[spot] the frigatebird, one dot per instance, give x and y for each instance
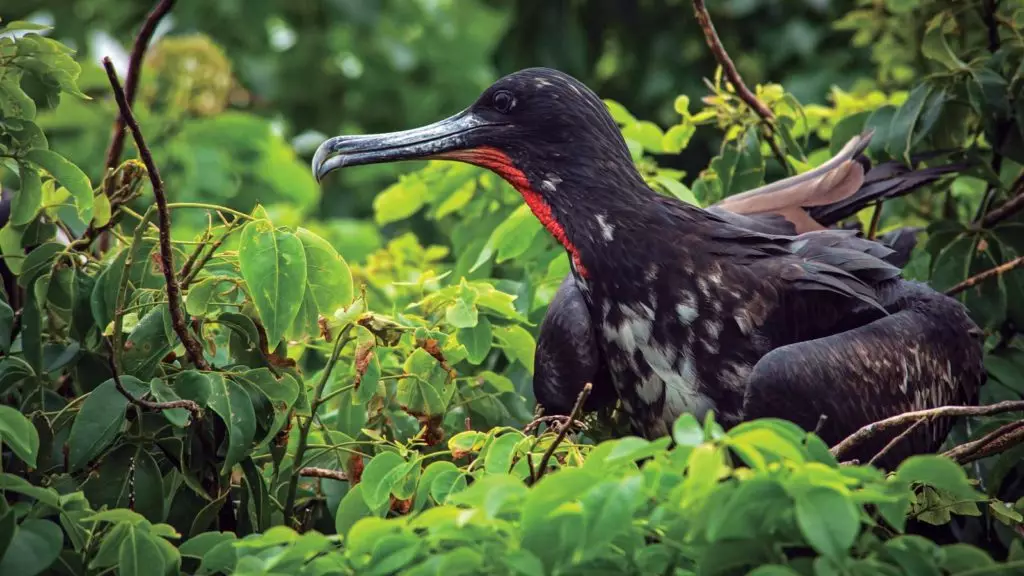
(752, 309)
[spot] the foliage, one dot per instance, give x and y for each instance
(364, 412)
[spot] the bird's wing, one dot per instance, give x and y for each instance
(925, 354)
(567, 355)
(837, 189)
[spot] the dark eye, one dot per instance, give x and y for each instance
(503, 101)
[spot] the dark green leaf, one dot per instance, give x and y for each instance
(34, 547)
(69, 176)
(29, 199)
(139, 554)
(99, 420)
(18, 433)
(379, 477)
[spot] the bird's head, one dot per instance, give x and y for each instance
(541, 130)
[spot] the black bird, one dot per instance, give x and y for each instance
(684, 309)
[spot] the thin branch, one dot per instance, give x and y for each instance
(1012, 206)
(131, 80)
(704, 19)
(186, 269)
(870, 430)
(193, 349)
(876, 216)
(563, 431)
(895, 441)
(549, 420)
(982, 276)
(314, 406)
(311, 472)
(189, 405)
(995, 442)
(188, 278)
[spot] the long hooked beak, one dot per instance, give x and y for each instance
(430, 141)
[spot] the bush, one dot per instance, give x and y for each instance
(236, 396)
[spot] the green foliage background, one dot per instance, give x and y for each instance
(383, 328)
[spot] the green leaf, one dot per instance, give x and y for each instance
(201, 295)
(934, 45)
(35, 546)
(99, 420)
(828, 520)
(477, 340)
(461, 314)
(7, 326)
(199, 545)
(687, 431)
(500, 453)
(327, 273)
(380, 475)
(938, 472)
(10, 245)
(69, 176)
(139, 554)
(29, 199)
(147, 344)
(232, 404)
(517, 343)
(400, 200)
(14, 103)
(609, 509)
(18, 433)
(901, 130)
(164, 393)
(273, 265)
(351, 509)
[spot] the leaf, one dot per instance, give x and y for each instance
(938, 472)
(34, 548)
(139, 554)
(351, 509)
(500, 453)
(380, 475)
(399, 201)
(934, 45)
(687, 431)
(461, 314)
(230, 401)
(327, 274)
(99, 420)
(18, 433)
(69, 176)
(273, 265)
(164, 393)
(518, 344)
(202, 294)
(14, 103)
(147, 344)
(7, 326)
(27, 202)
(901, 130)
(477, 340)
(828, 520)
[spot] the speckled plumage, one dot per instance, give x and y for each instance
(751, 308)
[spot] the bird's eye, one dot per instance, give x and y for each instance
(503, 101)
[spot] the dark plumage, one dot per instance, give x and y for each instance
(750, 308)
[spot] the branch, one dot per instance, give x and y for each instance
(314, 406)
(867, 432)
(995, 442)
(895, 441)
(311, 472)
(727, 65)
(1009, 208)
(563, 430)
(132, 77)
(189, 405)
(192, 347)
(982, 276)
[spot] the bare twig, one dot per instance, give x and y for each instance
(131, 81)
(311, 472)
(982, 276)
(1012, 206)
(555, 419)
(704, 19)
(895, 441)
(995, 442)
(866, 432)
(744, 93)
(186, 268)
(193, 349)
(876, 216)
(822, 419)
(189, 405)
(563, 431)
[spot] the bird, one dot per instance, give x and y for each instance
(749, 309)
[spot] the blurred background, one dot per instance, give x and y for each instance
(242, 91)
